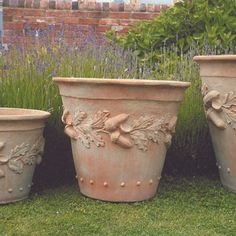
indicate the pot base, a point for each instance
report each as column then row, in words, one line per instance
column 229, row 188
column 13, row 200
column 124, row 192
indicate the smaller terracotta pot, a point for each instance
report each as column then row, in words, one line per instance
column 21, row 148
column 218, row 74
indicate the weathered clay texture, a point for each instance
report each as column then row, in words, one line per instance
column 21, row 148
column 120, row 131
column 218, row 75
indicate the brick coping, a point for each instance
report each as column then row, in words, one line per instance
column 84, row 5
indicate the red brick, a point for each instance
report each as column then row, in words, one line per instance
column 120, row 15
column 15, row 19
column 4, row 39
column 38, row 25
column 51, row 20
column 57, row 13
column 13, row 26
column 30, row 12
column 71, row 20
column 80, row 14
column 109, row 22
column 141, row 16
column 19, row 18
column 8, row 18
column 103, row 28
column 89, row 21
column 95, row 14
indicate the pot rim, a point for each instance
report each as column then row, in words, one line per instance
column 201, row 58
column 136, row 82
column 22, row 114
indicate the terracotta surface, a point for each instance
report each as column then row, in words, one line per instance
column 21, row 148
column 120, row 131
column 218, row 75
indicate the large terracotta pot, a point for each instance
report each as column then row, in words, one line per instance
column 218, row 75
column 120, row 131
column 21, row 148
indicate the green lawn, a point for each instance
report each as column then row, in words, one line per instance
column 182, row 206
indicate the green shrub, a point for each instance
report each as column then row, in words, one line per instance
column 208, row 23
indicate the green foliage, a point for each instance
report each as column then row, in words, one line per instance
column 182, row 207
column 208, row 23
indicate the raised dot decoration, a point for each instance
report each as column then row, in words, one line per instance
column 138, row 183
column 91, row 182
column 122, row 184
column 105, row 184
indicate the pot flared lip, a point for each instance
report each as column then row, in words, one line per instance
column 215, row 58
column 136, row 82
column 8, row 113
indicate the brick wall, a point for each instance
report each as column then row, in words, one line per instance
column 39, row 14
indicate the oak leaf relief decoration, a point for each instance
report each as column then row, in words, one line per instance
column 122, row 130
column 21, row 155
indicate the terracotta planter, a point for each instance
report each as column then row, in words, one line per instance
column 218, row 75
column 120, row 131
column 21, row 148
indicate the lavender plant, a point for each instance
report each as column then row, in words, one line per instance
column 27, row 69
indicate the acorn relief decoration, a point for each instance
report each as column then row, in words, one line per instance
column 123, row 131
